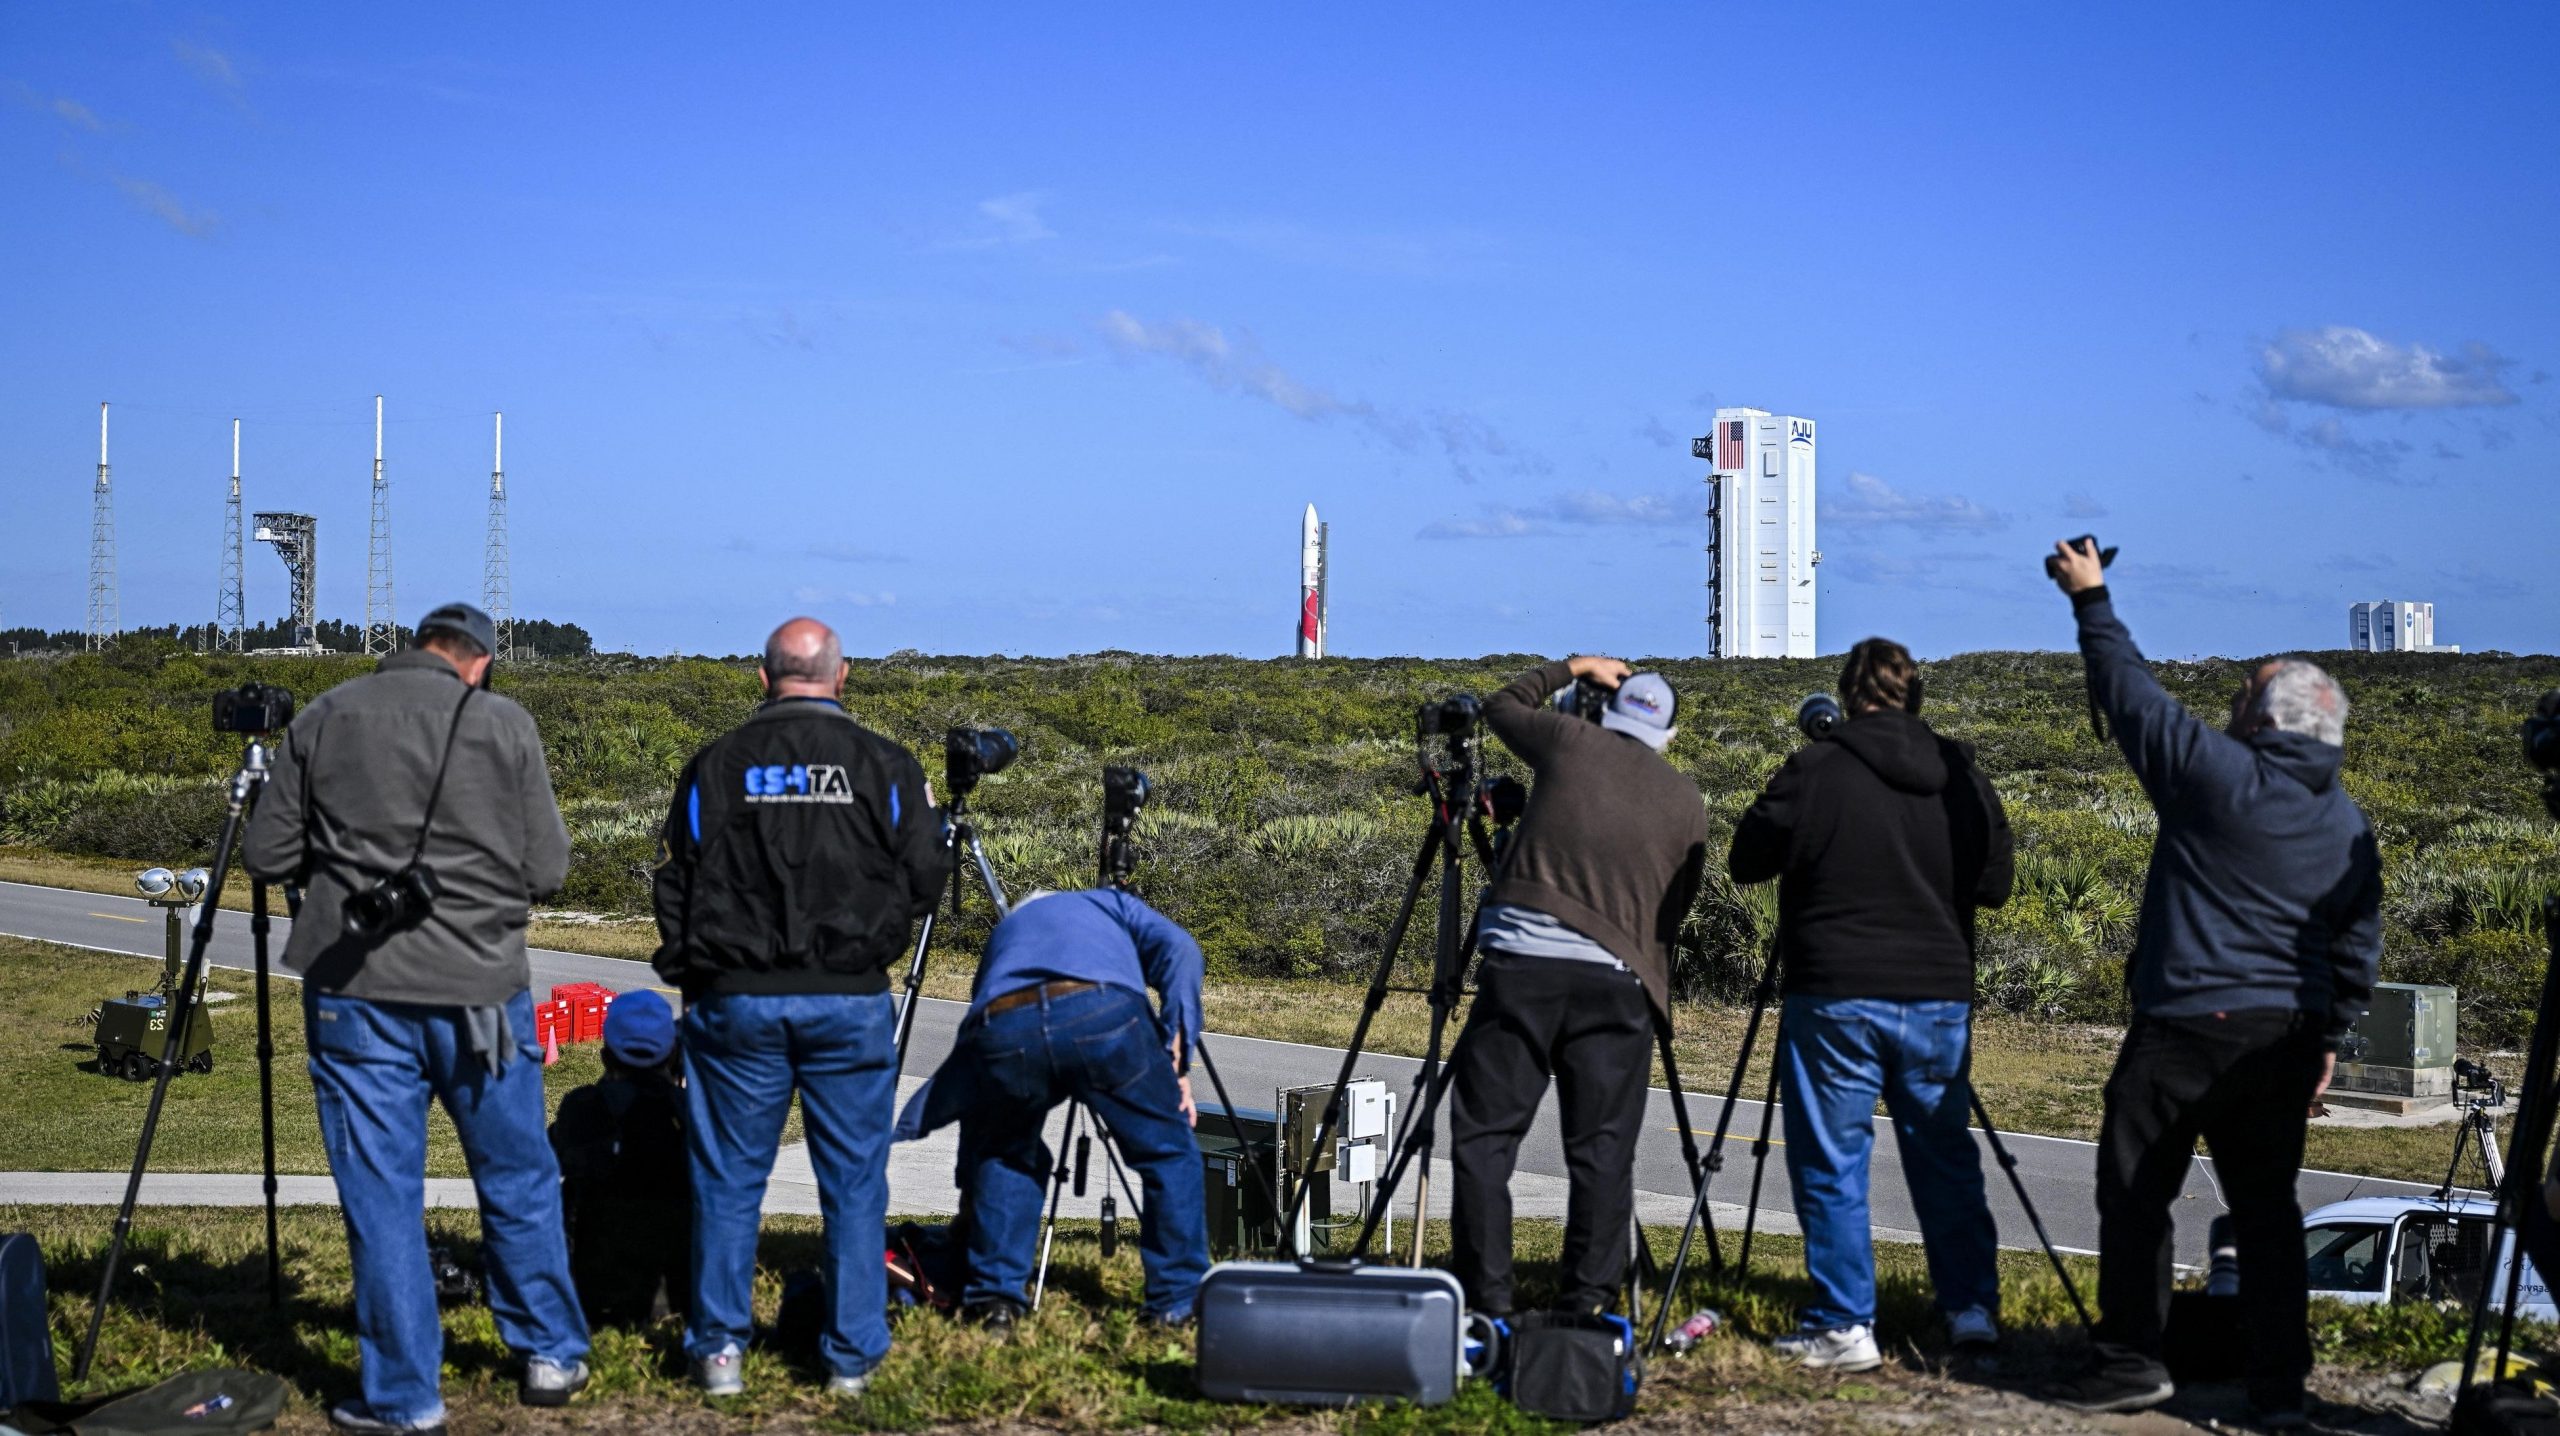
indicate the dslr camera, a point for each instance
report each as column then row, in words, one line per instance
column 398, row 901
column 1452, row 717
column 969, row 754
column 2053, row 561
column 1124, row 793
column 253, row 708
column 1585, row 700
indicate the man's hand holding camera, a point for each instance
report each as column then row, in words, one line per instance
column 1606, row 672
column 2076, row 565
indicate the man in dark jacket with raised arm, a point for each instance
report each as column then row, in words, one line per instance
column 1884, row 840
column 2260, row 940
column 800, row 850
column 1576, row 938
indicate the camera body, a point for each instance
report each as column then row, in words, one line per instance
column 2053, row 561
column 398, row 901
column 1453, row 717
column 252, row 708
column 969, row 754
column 1585, row 700
column 1124, row 795
column 1818, row 717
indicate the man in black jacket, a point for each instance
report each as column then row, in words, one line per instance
column 800, row 850
column 1576, row 938
column 2260, row 938
column 1883, row 840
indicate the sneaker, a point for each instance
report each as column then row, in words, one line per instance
column 718, row 1374
column 1973, row 1328
column 848, row 1386
column 548, row 1383
column 2097, row 1390
column 1850, row 1348
column 1170, row 1321
column 357, row 1417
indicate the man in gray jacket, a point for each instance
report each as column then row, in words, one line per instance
column 417, row 766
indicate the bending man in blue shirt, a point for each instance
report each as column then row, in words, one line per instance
column 1061, row 1012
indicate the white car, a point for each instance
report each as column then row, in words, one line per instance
column 2370, row 1250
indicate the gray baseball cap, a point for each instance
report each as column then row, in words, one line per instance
column 465, row 620
column 1642, row 709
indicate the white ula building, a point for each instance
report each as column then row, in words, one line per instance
column 1760, row 534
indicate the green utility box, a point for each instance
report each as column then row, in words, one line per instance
column 2400, row 1056
column 1241, row 1221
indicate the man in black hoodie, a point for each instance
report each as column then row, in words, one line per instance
column 1883, row 840
column 2260, row 938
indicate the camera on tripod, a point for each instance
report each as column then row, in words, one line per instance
column 252, row 708
column 969, row 754
column 1818, row 717
column 2470, row 1078
column 1454, row 717
column 1124, row 794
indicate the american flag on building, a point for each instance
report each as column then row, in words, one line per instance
column 1729, row 445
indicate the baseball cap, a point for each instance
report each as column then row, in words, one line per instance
column 639, row 1029
column 462, row 618
column 1642, row 709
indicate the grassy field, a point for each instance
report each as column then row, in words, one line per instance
column 2041, row 1077
column 194, row 1296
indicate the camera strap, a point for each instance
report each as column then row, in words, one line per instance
column 435, row 794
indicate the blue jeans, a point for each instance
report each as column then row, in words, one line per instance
column 744, row 1055
column 1103, row 1048
column 1837, row 1056
column 374, row 1066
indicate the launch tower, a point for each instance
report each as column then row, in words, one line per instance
column 297, row 541
column 1760, row 537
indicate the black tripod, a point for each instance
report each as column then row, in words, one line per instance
column 1762, row 996
column 246, row 785
column 957, row 833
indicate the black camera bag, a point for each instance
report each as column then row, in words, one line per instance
column 1568, row 1367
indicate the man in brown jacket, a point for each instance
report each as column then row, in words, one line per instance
column 1575, row 937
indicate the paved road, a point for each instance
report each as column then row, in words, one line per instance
column 2057, row 1171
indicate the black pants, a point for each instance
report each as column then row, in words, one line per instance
column 1588, row 1026
column 2242, row 1081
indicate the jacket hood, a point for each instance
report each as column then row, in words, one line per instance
column 1898, row 747
column 2299, row 756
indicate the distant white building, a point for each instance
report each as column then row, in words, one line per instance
column 2394, row 626
column 1760, row 536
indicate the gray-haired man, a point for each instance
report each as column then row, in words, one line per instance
column 2260, row 938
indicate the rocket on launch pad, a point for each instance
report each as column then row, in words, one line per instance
column 1312, row 610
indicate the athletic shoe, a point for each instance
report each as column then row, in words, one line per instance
column 718, row 1374
column 2097, row 1390
column 848, row 1386
column 1850, row 1348
column 355, row 1416
column 1973, row 1328
column 548, row 1383
column 1170, row 1321
column 996, row 1315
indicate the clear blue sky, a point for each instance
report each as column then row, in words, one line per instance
column 1031, row 328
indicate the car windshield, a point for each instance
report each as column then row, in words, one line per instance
column 2347, row 1256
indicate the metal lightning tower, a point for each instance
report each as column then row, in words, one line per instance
column 105, row 616
column 231, row 609
column 381, row 618
column 497, row 596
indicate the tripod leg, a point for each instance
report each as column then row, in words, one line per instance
column 266, row 1089
column 1715, row 1156
column 1759, row 1159
column 2009, row 1164
column 2530, row 1141
column 181, row 1012
column 1058, row 1177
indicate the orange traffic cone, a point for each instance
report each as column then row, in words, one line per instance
column 551, row 1047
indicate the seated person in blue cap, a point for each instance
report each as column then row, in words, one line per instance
column 625, row 1192
column 1061, row 1013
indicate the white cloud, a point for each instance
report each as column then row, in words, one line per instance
column 1015, row 218
column 2345, row 367
column 2082, row 506
column 1565, row 512
column 171, row 211
column 1871, row 502
column 209, row 64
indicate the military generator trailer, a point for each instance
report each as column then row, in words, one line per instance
column 133, row 1030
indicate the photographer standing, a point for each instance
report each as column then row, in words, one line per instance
column 799, row 851
column 2260, row 938
column 416, row 987
column 1576, row 940
column 1060, row 1012
column 1884, row 840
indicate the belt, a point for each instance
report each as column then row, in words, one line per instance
column 1024, row 997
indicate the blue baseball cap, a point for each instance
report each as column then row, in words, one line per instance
column 639, row 1029
column 1642, row 709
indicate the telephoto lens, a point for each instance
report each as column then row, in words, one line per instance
column 1818, row 717
column 969, row 754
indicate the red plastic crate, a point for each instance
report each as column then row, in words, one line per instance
column 572, row 991
column 586, row 1019
column 551, row 1023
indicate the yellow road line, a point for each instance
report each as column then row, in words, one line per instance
column 1743, row 1137
column 118, row 917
